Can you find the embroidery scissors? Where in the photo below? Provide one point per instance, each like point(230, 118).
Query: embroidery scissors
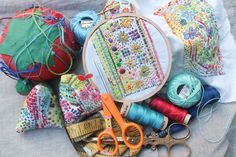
point(164, 138)
point(169, 141)
point(110, 110)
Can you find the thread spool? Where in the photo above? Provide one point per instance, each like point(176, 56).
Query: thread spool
point(184, 90)
point(170, 110)
point(144, 116)
point(82, 24)
point(210, 95)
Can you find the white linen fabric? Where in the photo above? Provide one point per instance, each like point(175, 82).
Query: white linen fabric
point(226, 43)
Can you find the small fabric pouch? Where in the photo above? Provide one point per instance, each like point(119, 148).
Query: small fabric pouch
point(78, 98)
point(39, 110)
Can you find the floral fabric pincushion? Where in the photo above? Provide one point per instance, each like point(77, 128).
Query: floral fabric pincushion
point(78, 98)
point(40, 110)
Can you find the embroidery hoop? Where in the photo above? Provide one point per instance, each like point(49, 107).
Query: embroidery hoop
point(140, 97)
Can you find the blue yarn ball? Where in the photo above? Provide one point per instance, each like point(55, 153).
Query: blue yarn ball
point(80, 32)
point(187, 97)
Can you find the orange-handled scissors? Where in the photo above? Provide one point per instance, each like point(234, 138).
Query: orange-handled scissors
point(110, 110)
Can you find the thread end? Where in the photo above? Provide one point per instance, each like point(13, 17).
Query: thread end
point(165, 123)
point(187, 119)
point(125, 109)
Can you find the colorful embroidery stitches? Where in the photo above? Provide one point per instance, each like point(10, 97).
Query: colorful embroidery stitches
point(40, 110)
point(113, 7)
point(193, 21)
point(129, 59)
point(78, 98)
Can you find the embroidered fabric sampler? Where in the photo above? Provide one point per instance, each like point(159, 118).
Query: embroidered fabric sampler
point(128, 56)
point(193, 21)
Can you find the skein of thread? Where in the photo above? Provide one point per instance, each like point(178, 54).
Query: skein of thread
point(210, 96)
point(170, 110)
point(80, 32)
point(144, 116)
point(191, 91)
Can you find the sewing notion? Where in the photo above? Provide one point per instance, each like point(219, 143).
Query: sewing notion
point(110, 110)
point(149, 117)
point(169, 140)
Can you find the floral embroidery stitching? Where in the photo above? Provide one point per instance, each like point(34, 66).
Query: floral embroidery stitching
point(121, 57)
point(78, 98)
point(193, 21)
point(113, 7)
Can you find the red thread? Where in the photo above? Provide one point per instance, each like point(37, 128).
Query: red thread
point(168, 109)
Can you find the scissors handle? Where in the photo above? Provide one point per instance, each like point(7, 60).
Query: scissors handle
point(183, 126)
point(124, 128)
point(173, 141)
point(107, 133)
point(188, 149)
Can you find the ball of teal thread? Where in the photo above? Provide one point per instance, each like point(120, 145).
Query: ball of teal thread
point(192, 83)
point(145, 116)
point(80, 32)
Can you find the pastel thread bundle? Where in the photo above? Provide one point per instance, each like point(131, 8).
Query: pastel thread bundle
point(39, 110)
point(184, 90)
point(78, 98)
point(194, 22)
point(170, 110)
point(80, 29)
point(144, 115)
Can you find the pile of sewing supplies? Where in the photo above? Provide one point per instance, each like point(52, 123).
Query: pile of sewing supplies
point(129, 98)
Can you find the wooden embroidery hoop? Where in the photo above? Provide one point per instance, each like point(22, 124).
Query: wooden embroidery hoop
point(169, 52)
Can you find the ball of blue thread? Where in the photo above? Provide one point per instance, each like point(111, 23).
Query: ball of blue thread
point(145, 116)
point(80, 32)
point(192, 83)
point(210, 95)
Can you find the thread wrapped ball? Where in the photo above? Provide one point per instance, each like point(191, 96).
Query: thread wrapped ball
point(184, 90)
point(82, 24)
point(37, 44)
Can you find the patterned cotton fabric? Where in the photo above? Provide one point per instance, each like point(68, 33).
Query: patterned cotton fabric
point(78, 98)
point(39, 110)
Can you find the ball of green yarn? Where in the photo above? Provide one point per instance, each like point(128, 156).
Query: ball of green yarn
point(23, 87)
point(193, 90)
